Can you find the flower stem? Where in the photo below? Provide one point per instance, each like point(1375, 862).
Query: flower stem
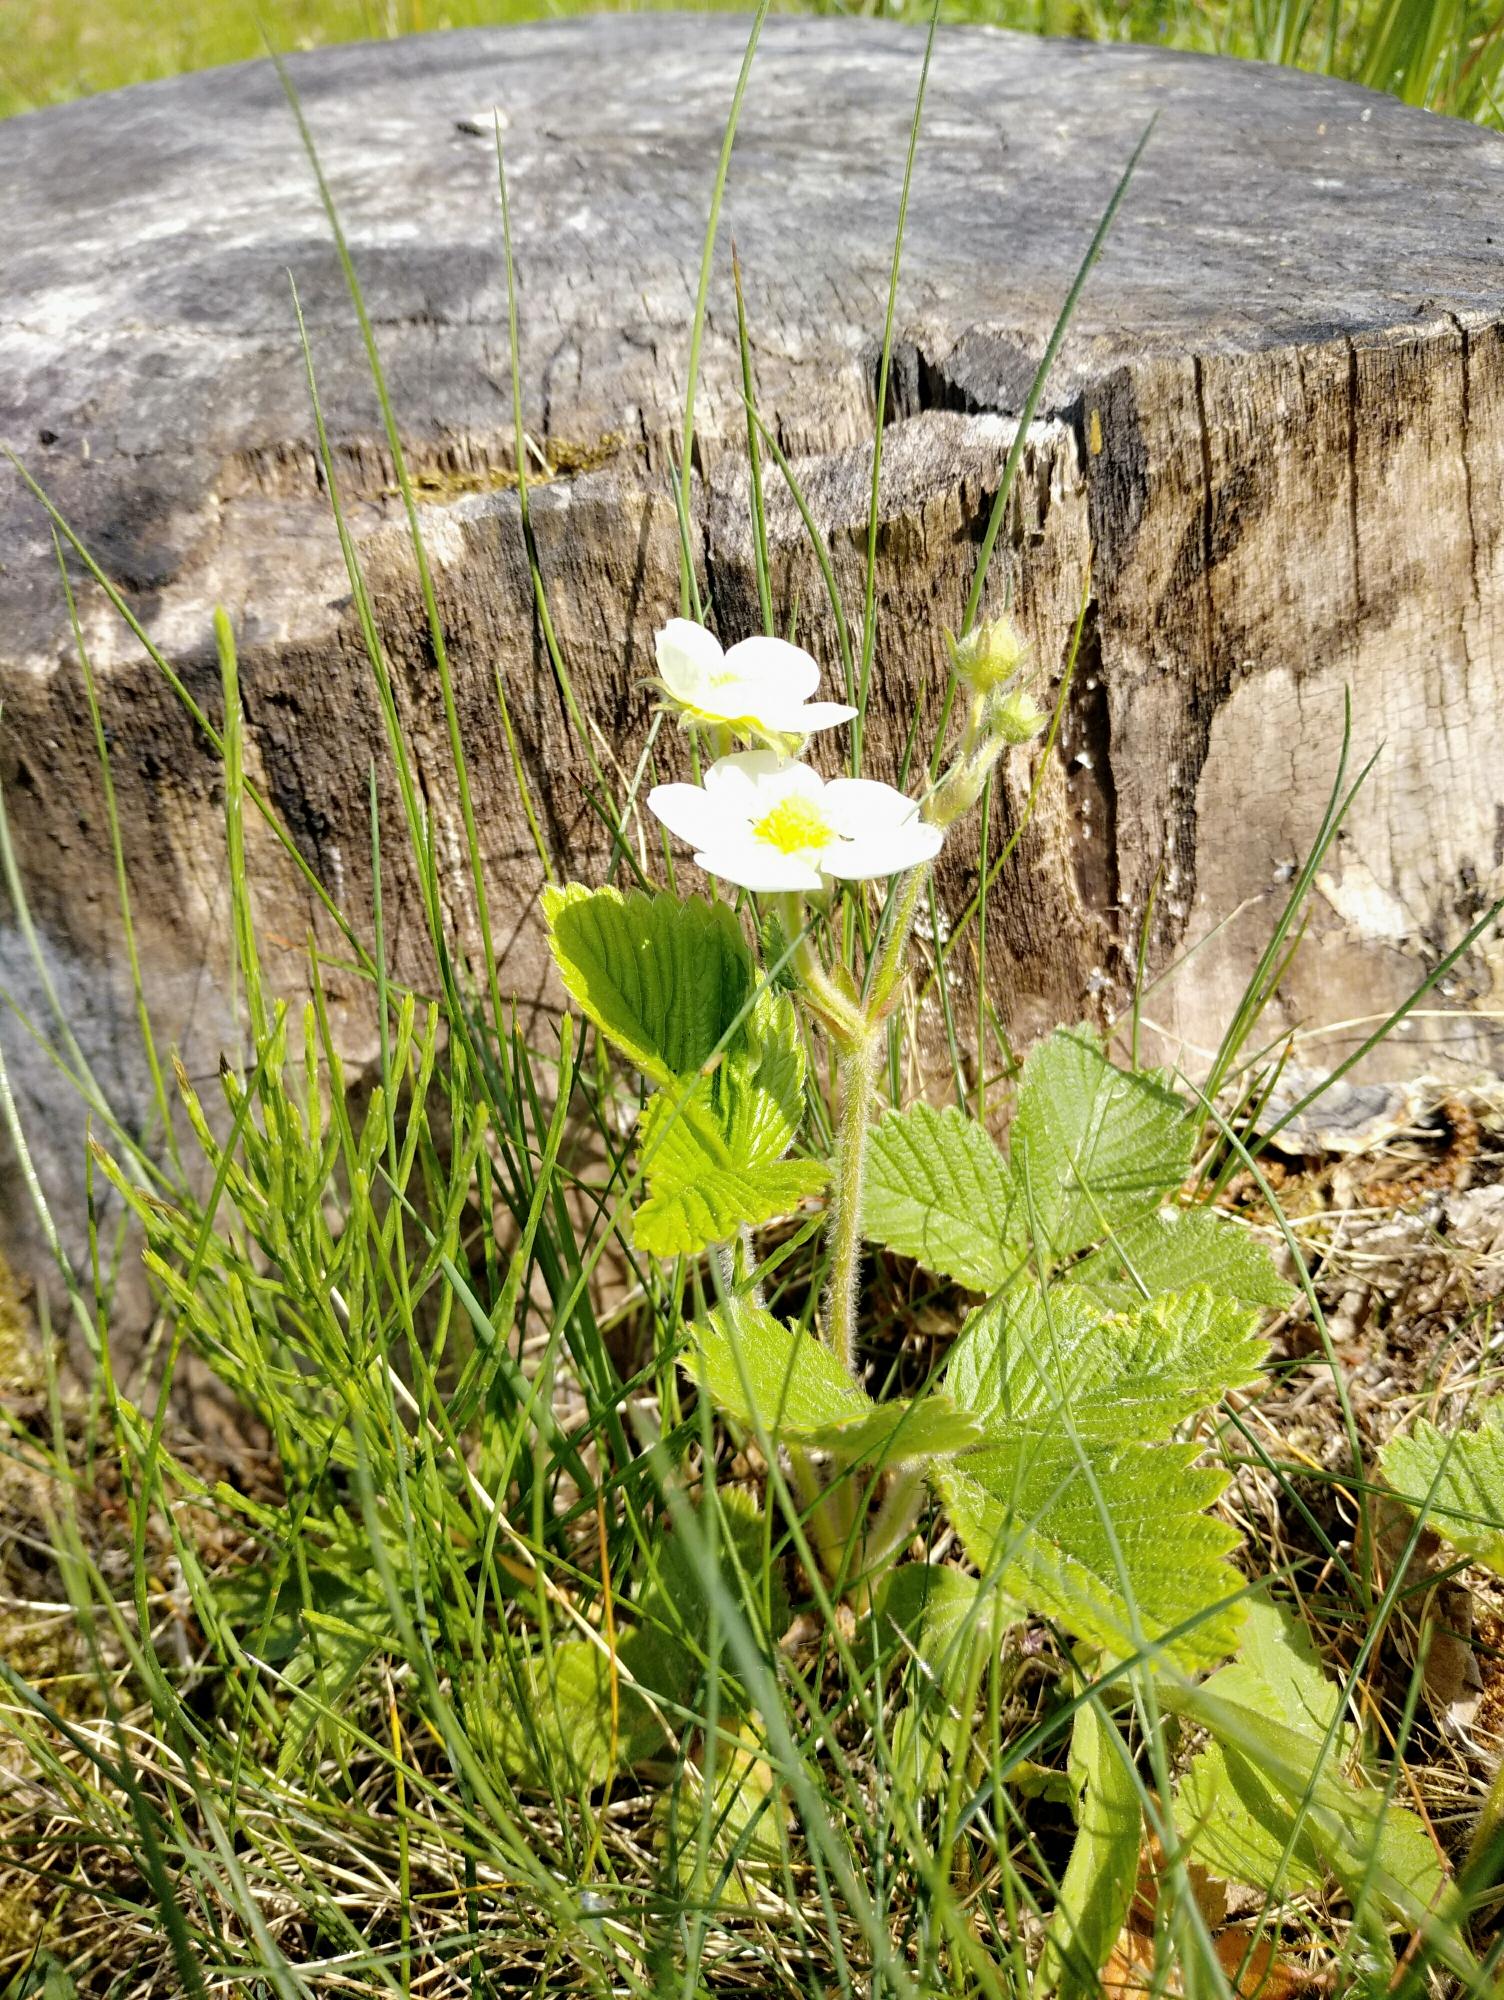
point(890, 967)
point(842, 1019)
point(858, 1088)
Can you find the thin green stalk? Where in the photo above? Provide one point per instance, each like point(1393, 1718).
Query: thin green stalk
point(529, 540)
point(1036, 387)
point(1042, 766)
point(869, 589)
point(754, 458)
point(1438, 972)
point(702, 298)
point(435, 623)
point(117, 853)
point(1490, 1820)
point(890, 966)
point(986, 845)
point(858, 1072)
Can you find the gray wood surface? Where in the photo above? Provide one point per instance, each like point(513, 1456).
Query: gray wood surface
point(1271, 462)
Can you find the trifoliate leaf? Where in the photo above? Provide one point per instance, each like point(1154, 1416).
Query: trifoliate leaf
point(1032, 1360)
point(1174, 1248)
point(664, 979)
point(1094, 1146)
point(712, 1146)
point(1458, 1481)
point(939, 1191)
point(762, 1372)
point(1102, 1873)
point(1274, 1800)
point(1114, 1542)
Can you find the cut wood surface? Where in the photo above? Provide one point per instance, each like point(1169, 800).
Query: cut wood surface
point(1269, 465)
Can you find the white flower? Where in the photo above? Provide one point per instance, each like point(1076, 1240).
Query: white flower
point(760, 689)
point(770, 825)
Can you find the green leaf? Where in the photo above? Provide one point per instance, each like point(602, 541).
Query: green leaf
point(933, 1606)
point(324, 1669)
point(1094, 1146)
point(939, 1191)
point(927, 1427)
point(1269, 1782)
point(664, 979)
point(744, 1846)
point(684, 1216)
point(1031, 1358)
point(1114, 1542)
point(712, 1145)
point(1175, 1248)
point(44, 1979)
point(1102, 1873)
point(1458, 1481)
point(1232, 1818)
point(762, 1372)
point(558, 1725)
point(944, 1617)
point(674, 1611)
point(558, 1721)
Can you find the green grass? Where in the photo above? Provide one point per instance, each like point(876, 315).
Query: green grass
point(344, 1719)
point(1446, 54)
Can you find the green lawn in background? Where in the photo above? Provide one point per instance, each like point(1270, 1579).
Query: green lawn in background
point(1445, 53)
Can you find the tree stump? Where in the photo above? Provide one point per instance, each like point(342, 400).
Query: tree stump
point(1269, 465)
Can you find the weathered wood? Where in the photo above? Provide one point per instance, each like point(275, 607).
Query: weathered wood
point(1271, 465)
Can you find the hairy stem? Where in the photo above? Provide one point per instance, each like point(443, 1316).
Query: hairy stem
point(891, 967)
point(842, 1019)
point(895, 1518)
point(858, 1088)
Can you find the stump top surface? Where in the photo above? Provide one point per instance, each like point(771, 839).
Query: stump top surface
point(150, 371)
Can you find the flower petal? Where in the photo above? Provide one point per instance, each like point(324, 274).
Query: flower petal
point(687, 657)
point(887, 854)
point(690, 812)
point(757, 780)
point(862, 806)
point(739, 785)
point(752, 765)
point(790, 780)
point(780, 672)
point(822, 715)
point(753, 864)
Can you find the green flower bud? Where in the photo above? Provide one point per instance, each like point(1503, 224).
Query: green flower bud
point(988, 655)
point(956, 793)
point(1016, 717)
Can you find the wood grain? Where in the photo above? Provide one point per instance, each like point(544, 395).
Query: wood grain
point(1270, 463)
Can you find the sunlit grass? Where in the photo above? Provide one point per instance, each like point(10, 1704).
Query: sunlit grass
point(1447, 54)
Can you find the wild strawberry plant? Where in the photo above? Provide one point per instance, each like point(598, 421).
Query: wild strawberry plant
point(1058, 1440)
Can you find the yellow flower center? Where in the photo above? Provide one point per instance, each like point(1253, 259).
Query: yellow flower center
point(793, 825)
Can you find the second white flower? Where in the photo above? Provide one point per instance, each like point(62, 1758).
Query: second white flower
point(769, 825)
point(761, 689)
